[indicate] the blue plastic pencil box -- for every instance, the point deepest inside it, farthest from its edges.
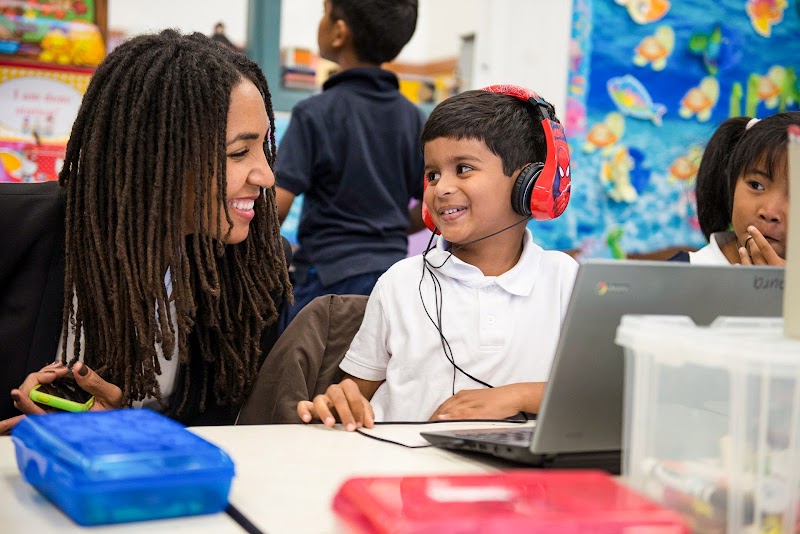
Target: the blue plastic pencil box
(122, 465)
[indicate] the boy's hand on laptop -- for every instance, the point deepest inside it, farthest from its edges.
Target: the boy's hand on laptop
(344, 400)
(494, 403)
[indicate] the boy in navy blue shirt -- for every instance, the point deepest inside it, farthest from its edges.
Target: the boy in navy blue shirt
(354, 152)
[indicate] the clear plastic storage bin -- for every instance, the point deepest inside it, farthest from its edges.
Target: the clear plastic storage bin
(121, 465)
(711, 420)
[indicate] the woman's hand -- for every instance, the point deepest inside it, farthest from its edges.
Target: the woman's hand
(49, 373)
(22, 402)
(106, 396)
(7, 424)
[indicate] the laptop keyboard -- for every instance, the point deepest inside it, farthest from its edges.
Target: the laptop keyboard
(517, 436)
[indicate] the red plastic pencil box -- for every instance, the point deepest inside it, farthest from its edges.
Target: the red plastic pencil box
(527, 501)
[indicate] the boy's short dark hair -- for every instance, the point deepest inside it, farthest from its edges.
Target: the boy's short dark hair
(504, 123)
(380, 28)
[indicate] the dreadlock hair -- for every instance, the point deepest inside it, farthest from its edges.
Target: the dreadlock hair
(151, 130)
(503, 123)
(734, 150)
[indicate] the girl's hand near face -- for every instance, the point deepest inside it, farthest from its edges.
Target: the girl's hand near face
(758, 251)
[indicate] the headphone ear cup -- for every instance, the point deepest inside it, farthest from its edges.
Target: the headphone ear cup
(426, 213)
(428, 219)
(523, 188)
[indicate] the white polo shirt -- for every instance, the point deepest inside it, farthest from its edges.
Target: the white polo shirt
(502, 329)
(712, 254)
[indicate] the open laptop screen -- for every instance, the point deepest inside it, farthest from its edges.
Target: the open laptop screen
(582, 407)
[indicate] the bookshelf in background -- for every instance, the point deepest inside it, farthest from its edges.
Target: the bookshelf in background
(298, 68)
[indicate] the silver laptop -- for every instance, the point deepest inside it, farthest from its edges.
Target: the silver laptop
(580, 420)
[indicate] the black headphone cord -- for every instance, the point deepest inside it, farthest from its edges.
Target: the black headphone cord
(439, 300)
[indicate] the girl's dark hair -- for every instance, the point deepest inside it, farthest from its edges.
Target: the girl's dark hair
(732, 151)
(711, 186)
(150, 130)
(503, 123)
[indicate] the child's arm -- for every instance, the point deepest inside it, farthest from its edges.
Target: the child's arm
(416, 224)
(495, 403)
(349, 399)
(284, 200)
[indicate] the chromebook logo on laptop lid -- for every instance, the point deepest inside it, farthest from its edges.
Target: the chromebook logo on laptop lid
(603, 288)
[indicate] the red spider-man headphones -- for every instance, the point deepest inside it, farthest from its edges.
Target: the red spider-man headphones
(542, 190)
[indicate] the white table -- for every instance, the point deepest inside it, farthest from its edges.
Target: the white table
(286, 477)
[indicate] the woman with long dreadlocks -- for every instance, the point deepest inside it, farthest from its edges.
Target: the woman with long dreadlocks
(173, 269)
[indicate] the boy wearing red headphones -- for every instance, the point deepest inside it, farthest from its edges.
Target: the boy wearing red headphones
(468, 329)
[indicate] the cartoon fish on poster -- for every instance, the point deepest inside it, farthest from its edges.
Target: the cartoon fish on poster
(685, 167)
(700, 101)
(773, 86)
(764, 14)
(631, 98)
(646, 11)
(615, 175)
(655, 49)
(603, 135)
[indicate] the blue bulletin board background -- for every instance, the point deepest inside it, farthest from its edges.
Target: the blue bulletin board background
(649, 81)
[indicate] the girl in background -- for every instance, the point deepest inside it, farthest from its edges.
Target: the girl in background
(743, 193)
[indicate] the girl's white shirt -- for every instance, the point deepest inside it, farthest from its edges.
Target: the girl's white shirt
(711, 254)
(169, 368)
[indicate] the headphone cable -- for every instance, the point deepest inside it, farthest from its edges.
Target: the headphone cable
(439, 300)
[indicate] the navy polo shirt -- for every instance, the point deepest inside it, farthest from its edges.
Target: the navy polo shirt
(354, 152)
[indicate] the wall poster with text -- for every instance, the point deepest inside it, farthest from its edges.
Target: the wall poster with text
(38, 105)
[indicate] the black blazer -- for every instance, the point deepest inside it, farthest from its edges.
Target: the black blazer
(32, 296)
(31, 282)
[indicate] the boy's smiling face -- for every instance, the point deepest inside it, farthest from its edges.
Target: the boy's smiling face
(468, 194)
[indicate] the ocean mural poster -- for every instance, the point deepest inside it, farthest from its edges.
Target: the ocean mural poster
(649, 81)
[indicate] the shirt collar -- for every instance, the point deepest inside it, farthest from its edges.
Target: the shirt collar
(518, 280)
(369, 77)
(712, 253)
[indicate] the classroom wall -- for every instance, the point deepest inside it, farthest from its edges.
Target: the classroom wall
(525, 42)
(517, 41)
(142, 16)
(440, 23)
